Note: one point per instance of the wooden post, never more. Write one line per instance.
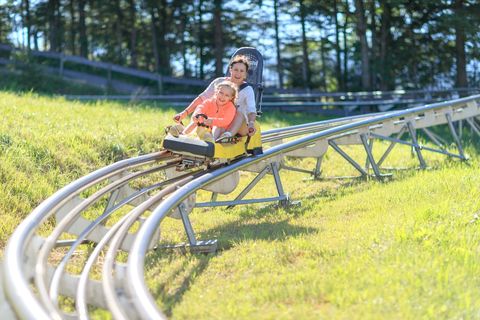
(62, 61)
(160, 84)
(109, 76)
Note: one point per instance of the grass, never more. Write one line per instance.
(405, 248)
(31, 79)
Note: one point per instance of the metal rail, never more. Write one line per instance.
(123, 290)
(145, 303)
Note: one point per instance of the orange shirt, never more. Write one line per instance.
(221, 116)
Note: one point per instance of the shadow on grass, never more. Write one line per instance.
(181, 270)
(179, 279)
(238, 231)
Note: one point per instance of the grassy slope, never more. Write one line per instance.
(406, 249)
(46, 143)
(403, 249)
(32, 79)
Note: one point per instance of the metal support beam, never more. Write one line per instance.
(318, 171)
(187, 225)
(252, 184)
(370, 147)
(284, 166)
(111, 200)
(413, 135)
(390, 147)
(370, 158)
(473, 125)
(282, 197)
(414, 145)
(214, 197)
(439, 138)
(278, 183)
(455, 136)
(347, 157)
(436, 139)
(233, 203)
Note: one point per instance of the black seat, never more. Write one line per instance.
(255, 73)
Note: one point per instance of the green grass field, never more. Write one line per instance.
(405, 248)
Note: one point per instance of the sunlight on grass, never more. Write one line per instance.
(402, 248)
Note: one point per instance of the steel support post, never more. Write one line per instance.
(278, 183)
(436, 139)
(347, 157)
(111, 200)
(414, 145)
(473, 125)
(370, 158)
(252, 184)
(187, 225)
(390, 147)
(200, 246)
(283, 166)
(214, 197)
(370, 147)
(318, 171)
(417, 148)
(455, 136)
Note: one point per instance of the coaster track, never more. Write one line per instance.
(34, 282)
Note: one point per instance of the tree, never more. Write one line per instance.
(27, 21)
(306, 61)
(386, 78)
(277, 45)
(218, 35)
(338, 63)
(54, 24)
(361, 25)
(132, 44)
(461, 63)
(82, 28)
(73, 27)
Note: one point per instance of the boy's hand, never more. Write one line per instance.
(179, 116)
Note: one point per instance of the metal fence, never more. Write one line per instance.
(328, 103)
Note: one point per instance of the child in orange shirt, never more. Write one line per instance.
(220, 111)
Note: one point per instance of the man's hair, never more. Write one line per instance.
(240, 59)
(228, 84)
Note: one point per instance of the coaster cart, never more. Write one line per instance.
(196, 152)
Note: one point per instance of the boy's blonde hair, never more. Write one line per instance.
(231, 85)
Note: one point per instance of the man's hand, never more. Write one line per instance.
(251, 128)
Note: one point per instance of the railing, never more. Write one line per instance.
(332, 104)
(107, 68)
(343, 103)
(389, 123)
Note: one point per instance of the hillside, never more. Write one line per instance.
(405, 248)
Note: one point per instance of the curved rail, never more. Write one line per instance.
(123, 287)
(145, 303)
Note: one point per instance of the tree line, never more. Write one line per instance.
(329, 45)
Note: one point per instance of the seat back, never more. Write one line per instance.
(255, 73)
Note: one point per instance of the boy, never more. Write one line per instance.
(220, 111)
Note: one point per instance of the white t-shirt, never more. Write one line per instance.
(245, 100)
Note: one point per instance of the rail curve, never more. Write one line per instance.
(33, 286)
